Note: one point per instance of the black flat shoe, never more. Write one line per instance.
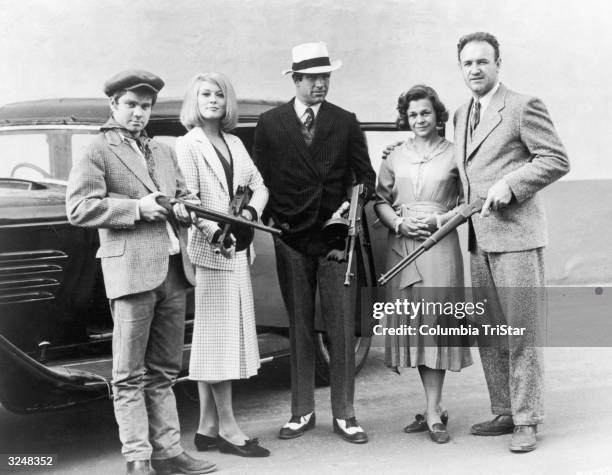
(438, 433)
(420, 423)
(251, 448)
(204, 442)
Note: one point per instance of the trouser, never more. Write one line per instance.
(513, 365)
(147, 355)
(299, 275)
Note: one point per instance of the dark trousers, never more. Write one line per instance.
(299, 275)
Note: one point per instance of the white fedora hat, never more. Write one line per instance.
(312, 58)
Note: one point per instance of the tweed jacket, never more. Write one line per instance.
(515, 140)
(307, 184)
(103, 192)
(206, 178)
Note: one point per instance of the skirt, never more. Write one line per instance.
(224, 344)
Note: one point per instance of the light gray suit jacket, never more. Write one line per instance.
(515, 140)
(103, 192)
(205, 178)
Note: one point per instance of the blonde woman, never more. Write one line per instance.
(224, 346)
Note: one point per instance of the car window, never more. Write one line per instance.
(24, 156)
(378, 140)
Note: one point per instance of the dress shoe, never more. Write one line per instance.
(204, 442)
(438, 433)
(350, 430)
(523, 438)
(138, 467)
(250, 448)
(500, 425)
(297, 425)
(420, 423)
(182, 463)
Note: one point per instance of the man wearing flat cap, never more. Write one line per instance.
(309, 152)
(113, 188)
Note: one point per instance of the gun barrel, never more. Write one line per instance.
(206, 213)
(461, 217)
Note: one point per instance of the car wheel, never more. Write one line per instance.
(362, 348)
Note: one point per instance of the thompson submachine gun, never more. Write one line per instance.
(461, 217)
(240, 227)
(348, 224)
(243, 234)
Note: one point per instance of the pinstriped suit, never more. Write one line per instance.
(145, 286)
(515, 140)
(307, 184)
(224, 344)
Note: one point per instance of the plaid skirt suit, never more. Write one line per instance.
(224, 344)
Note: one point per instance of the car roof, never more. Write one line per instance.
(95, 111)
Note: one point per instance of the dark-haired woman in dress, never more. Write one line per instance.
(224, 345)
(420, 191)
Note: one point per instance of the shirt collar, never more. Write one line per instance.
(486, 99)
(300, 108)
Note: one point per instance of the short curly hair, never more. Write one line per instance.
(420, 91)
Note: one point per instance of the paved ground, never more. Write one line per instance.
(577, 438)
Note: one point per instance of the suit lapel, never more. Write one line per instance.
(126, 154)
(489, 122)
(210, 156)
(291, 124)
(323, 126)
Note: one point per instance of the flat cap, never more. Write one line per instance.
(132, 79)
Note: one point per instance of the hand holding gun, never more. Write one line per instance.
(222, 218)
(231, 235)
(461, 217)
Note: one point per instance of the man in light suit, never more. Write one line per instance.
(507, 150)
(113, 188)
(309, 151)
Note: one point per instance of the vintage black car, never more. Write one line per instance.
(55, 324)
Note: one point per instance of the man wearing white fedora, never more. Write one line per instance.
(309, 152)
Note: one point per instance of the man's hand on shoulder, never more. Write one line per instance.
(498, 197)
(150, 210)
(389, 148)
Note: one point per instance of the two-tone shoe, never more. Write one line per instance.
(350, 430)
(297, 425)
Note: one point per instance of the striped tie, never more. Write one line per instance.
(309, 120)
(475, 119)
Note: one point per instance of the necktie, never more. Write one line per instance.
(475, 119)
(143, 145)
(309, 120)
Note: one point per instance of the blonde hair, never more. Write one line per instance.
(190, 112)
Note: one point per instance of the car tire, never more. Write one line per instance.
(322, 375)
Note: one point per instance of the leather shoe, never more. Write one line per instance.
(352, 431)
(204, 442)
(523, 438)
(138, 467)
(296, 426)
(500, 425)
(250, 448)
(182, 463)
(438, 433)
(420, 423)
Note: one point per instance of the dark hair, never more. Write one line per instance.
(139, 90)
(478, 36)
(420, 91)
